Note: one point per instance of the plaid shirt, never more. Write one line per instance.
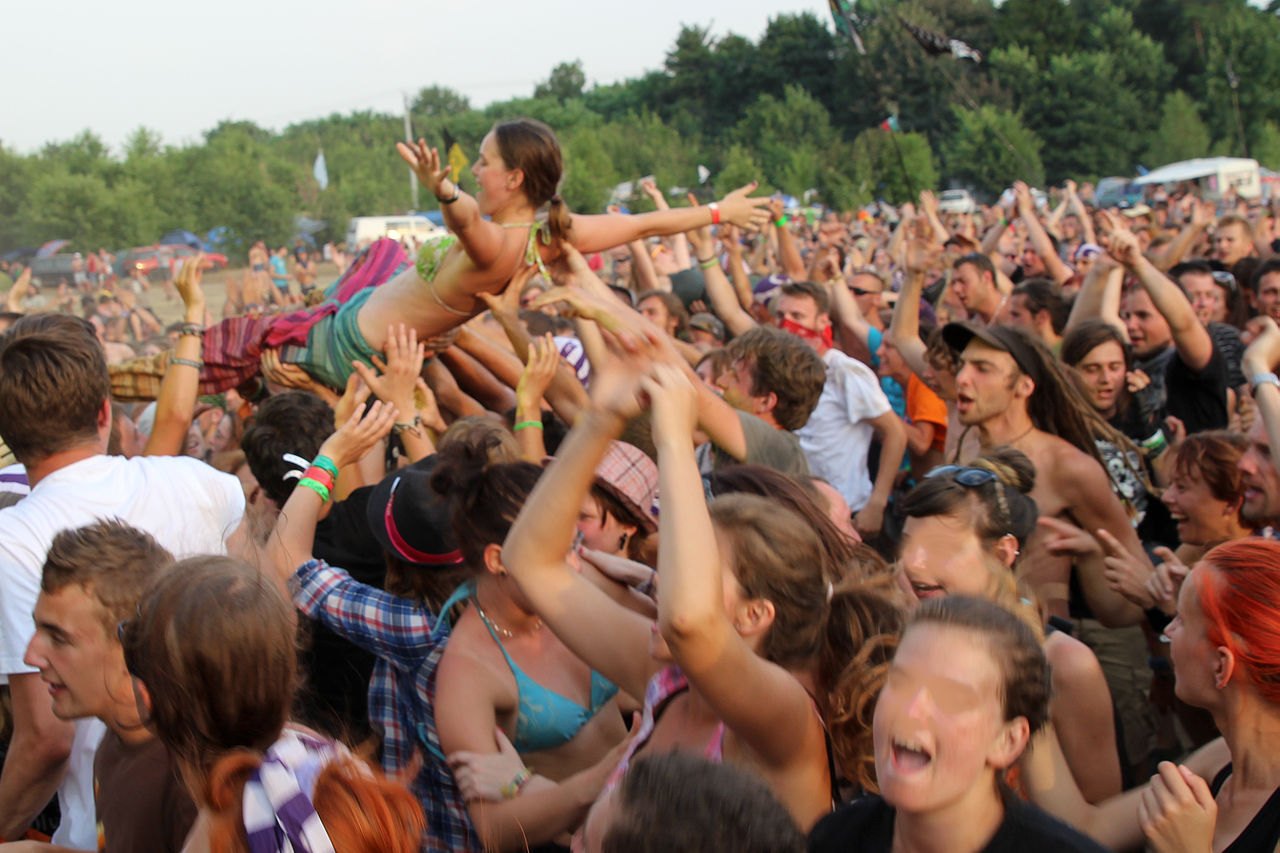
(408, 640)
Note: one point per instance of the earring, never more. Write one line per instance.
(622, 542)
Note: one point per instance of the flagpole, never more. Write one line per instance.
(408, 138)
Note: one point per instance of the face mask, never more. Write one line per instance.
(824, 337)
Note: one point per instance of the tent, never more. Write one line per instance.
(179, 237)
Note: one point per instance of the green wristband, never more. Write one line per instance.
(315, 486)
(324, 463)
(527, 425)
(708, 263)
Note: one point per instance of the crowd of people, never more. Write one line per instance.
(720, 527)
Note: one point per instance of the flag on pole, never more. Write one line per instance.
(890, 124)
(321, 171)
(457, 158)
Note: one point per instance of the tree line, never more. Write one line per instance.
(1080, 89)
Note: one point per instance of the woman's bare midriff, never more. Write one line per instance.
(407, 298)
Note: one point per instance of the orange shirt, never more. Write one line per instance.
(926, 407)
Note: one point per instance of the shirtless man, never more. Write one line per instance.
(1009, 388)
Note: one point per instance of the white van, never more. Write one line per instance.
(1214, 175)
(363, 230)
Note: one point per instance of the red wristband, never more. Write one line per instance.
(715, 213)
(320, 475)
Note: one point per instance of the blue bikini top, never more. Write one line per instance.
(546, 719)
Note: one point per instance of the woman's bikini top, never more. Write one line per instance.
(1263, 832)
(546, 719)
(433, 252)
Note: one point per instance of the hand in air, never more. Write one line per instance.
(426, 164)
(1126, 573)
(483, 775)
(286, 375)
(673, 401)
(741, 209)
(507, 303)
(188, 281)
(399, 373)
(1124, 247)
(1263, 354)
(1177, 811)
(1135, 380)
(544, 358)
(362, 430)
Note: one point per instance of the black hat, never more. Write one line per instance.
(412, 520)
(1016, 342)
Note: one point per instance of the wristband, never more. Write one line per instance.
(512, 789)
(325, 464)
(195, 330)
(708, 263)
(715, 213)
(782, 221)
(527, 425)
(413, 425)
(318, 488)
(1259, 379)
(319, 475)
(457, 194)
(187, 362)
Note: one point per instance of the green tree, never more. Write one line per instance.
(1181, 135)
(892, 166)
(566, 82)
(991, 149)
(739, 169)
(1266, 147)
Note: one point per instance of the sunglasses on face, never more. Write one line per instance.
(858, 291)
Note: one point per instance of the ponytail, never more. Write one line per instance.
(862, 629)
(559, 221)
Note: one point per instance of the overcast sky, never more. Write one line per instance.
(180, 67)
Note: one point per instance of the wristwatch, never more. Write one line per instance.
(1263, 379)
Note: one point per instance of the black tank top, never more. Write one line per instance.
(1263, 832)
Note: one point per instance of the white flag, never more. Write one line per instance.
(321, 171)
(703, 173)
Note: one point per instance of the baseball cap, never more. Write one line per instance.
(709, 323)
(1004, 338)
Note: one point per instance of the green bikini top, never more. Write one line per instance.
(433, 253)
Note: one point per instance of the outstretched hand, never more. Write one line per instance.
(426, 164)
(674, 404)
(362, 430)
(188, 281)
(741, 209)
(399, 373)
(539, 371)
(507, 302)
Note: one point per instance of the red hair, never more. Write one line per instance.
(362, 810)
(1240, 598)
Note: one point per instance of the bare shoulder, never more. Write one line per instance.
(1071, 661)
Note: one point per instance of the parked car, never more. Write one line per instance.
(212, 260)
(1116, 192)
(956, 201)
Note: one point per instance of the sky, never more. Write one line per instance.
(179, 67)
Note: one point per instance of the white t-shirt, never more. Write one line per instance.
(187, 506)
(838, 435)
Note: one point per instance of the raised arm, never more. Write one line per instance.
(176, 405)
(1263, 356)
(691, 607)
(721, 293)
(904, 328)
(679, 245)
(788, 251)
(1195, 347)
(1099, 296)
(480, 238)
(1040, 241)
(596, 233)
(1171, 254)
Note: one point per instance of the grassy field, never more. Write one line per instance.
(169, 310)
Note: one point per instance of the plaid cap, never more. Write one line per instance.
(632, 478)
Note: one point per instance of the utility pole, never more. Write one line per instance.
(1234, 82)
(408, 138)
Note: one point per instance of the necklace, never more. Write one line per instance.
(1026, 432)
(505, 633)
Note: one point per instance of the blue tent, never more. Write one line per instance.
(178, 237)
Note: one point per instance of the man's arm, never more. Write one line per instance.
(893, 444)
(1040, 241)
(1099, 297)
(1172, 253)
(1195, 347)
(37, 759)
(1263, 356)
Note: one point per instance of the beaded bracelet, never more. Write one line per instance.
(326, 464)
(512, 789)
(318, 488)
(187, 362)
(708, 263)
(195, 330)
(527, 425)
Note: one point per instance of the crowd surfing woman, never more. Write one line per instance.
(964, 532)
(217, 683)
(968, 687)
(481, 661)
(491, 234)
(1225, 646)
(754, 643)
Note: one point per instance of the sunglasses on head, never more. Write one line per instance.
(1222, 278)
(971, 478)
